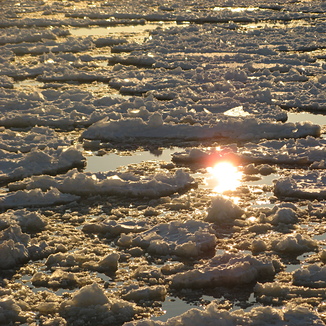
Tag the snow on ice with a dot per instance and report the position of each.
(119, 247)
(111, 183)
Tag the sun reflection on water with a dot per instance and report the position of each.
(224, 176)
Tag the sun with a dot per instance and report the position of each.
(224, 176)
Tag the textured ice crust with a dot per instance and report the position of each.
(46, 161)
(35, 197)
(228, 71)
(234, 128)
(213, 315)
(307, 151)
(309, 185)
(188, 239)
(112, 183)
(225, 270)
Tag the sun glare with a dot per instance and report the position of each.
(224, 176)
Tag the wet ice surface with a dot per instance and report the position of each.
(156, 158)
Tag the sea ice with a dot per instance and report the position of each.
(35, 197)
(16, 166)
(312, 275)
(91, 302)
(223, 211)
(112, 183)
(310, 184)
(234, 128)
(226, 270)
(303, 151)
(290, 315)
(186, 239)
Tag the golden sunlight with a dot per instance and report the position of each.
(224, 176)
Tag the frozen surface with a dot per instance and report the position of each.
(111, 183)
(35, 197)
(17, 166)
(234, 128)
(304, 151)
(229, 82)
(290, 315)
(307, 185)
(189, 239)
(225, 270)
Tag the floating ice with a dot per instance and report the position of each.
(234, 128)
(36, 138)
(12, 254)
(225, 270)
(28, 221)
(146, 293)
(294, 243)
(268, 291)
(310, 184)
(111, 183)
(189, 239)
(303, 151)
(18, 166)
(35, 197)
(223, 211)
(91, 302)
(312, 275)
(289, 315)
(10, 311)
(108, 264)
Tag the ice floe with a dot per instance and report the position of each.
(36, 138)
(112, 183)
(188, 239)
(289, 315)
(310, 184)
(17, 166)
(223, 211)
(92, 302)
(34, 197)
(312, 275)
(304, 151)
(226, 270)
(234, 128)
(104, 76)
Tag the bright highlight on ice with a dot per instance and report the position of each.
(225, 176)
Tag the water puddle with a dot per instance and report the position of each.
(28, 83)
(119, 30)
(307, 116)
(236, 9)
(112, 161)
(173, 306)
(265, 180)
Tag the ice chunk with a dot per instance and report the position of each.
(146, 293)
(85, 183)
(225, 270)
(223, 211)
(312, 275)
(35, 197)
(289, 315)
(186, 239)
(89, 295)
(10, 311)
(92, 303)
(38, 162)
(12, 254)
(235, 128)
(294, 243)
(308, 185)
